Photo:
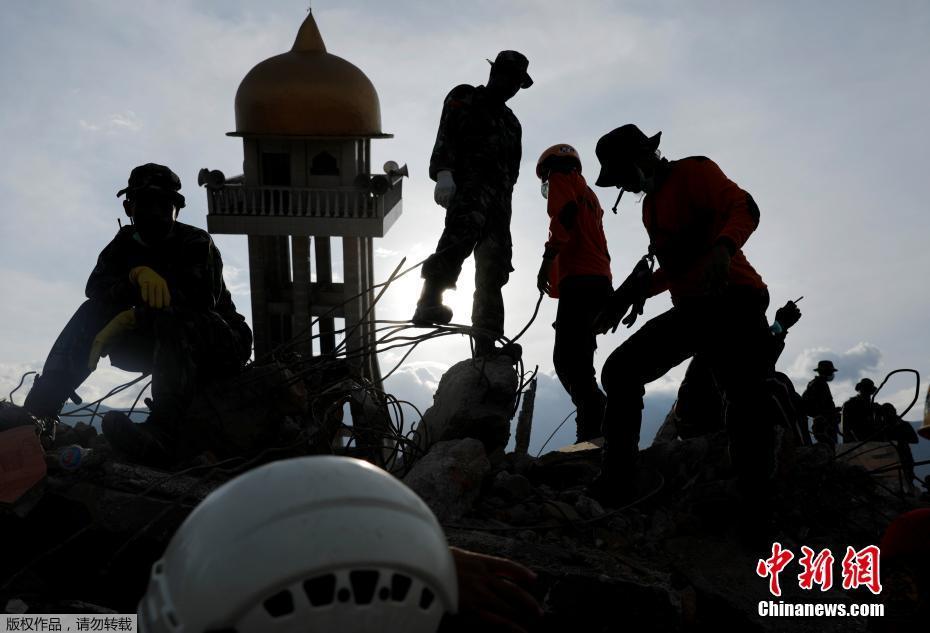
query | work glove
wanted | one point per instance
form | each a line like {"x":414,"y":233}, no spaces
{"x":636,"y":309}
{"x":717,"y":270}
{"x":617,"y":305}
{"x":788,"y":315}
{"x":118,"y":326}
{"x":445,"y":188}
{"x":153,"y":286}
{"x":542,"y":277}
{"x":632,"y":293}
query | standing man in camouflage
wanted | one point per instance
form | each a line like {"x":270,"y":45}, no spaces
{"x":156,"y":303}
{"x":475,"y":163}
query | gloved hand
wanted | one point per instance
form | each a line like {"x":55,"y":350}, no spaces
{"x":445,"y":188}
{"x":788,"y":315}
{"x":542,"y":277}
{"x":637,"y":309}
{"x":717,"y":271}
{"x":617,"y":306}
{"x":632,"y":293}
{"x":153,"y":286}
{"x":118,"y":326}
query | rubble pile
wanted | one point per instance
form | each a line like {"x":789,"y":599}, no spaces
{"x":673,"y":560}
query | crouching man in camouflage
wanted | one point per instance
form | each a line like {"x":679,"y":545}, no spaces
{"x":475,"y":163}
{"x":156,"y":303}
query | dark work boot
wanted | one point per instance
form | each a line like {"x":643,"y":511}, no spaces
{"x":430,"y":309}
{"x":48,"y":394}
{"x":150,"y":443}
{"x":590,"y":417}
{"x":485,"y":348}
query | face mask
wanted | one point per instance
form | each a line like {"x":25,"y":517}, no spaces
{"x":153,"y":219}
{"x":544,"y":189}
{"x":153,"y":231}
{"x":647,"y":185}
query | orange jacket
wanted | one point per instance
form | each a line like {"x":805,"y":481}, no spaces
{"x":696,"y":206}
{"x":576,"y":230}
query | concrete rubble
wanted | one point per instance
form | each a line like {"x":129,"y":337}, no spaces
{"x":475,"y":399}
{"x":449,"y":477}
{"x":671,"y":562}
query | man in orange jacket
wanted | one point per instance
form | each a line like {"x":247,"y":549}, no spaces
{"x":698,"y":221}
{"x":576,"y":270}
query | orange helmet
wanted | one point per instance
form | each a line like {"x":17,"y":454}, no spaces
{"x":559,"y":152}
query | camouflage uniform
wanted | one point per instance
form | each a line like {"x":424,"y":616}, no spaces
{"x":198,"y":338}
{"x":479,"y":141}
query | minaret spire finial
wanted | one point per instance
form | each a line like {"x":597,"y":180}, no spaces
{"x":308,"y":37}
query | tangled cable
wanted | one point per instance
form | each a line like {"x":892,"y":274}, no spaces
{"x":394,"y":436}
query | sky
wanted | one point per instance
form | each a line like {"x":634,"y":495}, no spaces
{"x":817,"y":109}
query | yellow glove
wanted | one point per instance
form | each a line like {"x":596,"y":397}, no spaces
{"x":153,"y":286}
{"x":114,"y":329}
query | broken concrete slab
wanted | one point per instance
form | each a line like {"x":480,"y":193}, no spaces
{"x":475,"y":399}
{"x":511,"y":487}
{"x":449,"y":477}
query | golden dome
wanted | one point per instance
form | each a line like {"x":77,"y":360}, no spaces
{"x":307,"y":92}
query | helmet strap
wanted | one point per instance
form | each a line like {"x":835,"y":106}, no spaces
{"x":620,"y":195}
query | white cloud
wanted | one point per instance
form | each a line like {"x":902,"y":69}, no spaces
{"x":126,"y":121}
{"x":860,"y":360}
{"x":98,"y":385}
{"x":236,"y":279}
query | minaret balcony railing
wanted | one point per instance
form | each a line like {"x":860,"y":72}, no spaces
{"x":268,"y":210}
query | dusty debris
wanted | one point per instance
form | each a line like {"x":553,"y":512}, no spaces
{"x":475,"y":399}
{"x":671,"y":562}
{"x":450,"y":476}
{"x":511,"y":487}
{"x":525,"y":420}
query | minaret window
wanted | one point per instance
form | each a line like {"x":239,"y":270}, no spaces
{"x":276,"y":169}
{"x":324,"y":164}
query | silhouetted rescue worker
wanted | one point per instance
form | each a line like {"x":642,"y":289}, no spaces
{"x":475,"y":163}
{"x":575,"y":269}
{"x":905,"y":574}
{"x":697,"y":220}
{"x":861,"y":422}
{"x":819,"y":405}
{"x":156,"y":302}
{"x":902,"y":434}
{"x":699,"y":407}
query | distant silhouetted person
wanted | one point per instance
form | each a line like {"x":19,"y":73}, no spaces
{"x":902,"y":434}
{"x":819,"y":405}
{"x":861,"y":421}
{"x":156,"y":303}
{"x":475,"y":163}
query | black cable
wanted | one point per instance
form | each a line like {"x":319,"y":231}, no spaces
{"x":551,"y":435}
{"x":21,"y":380}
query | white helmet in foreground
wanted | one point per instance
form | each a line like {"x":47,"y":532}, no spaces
{"x":329,"y":544}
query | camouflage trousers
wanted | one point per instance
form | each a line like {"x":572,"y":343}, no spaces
{"x":182,"y":349}
{"x":477,"y":220}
